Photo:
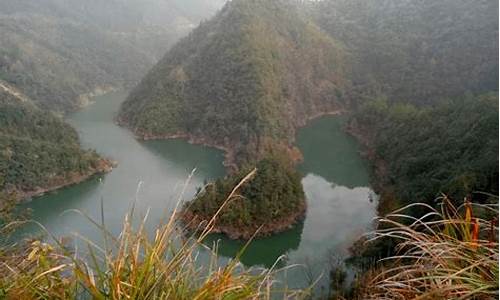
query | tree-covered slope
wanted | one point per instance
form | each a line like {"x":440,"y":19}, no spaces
{"x":65,"y":61}
{"x":243,"y":80}
{"x":56,"y":51}
{"x":417,"y":51}
{"x":449,"y":148}
{"x":38,"y":151}
{"x":269,"y":202}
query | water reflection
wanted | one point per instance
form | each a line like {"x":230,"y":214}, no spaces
{"x":260,"y":252}
{"x":341,"y":207}
{"x":335,"y":182}
{"x":186,"y":157}
{"x":336,"y":216}
{"x":336,"y":211}
{"x":331,"y":153}
{"x":160,"y":168}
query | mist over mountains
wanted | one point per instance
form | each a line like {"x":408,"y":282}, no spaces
{"x":413,"y":85}
{"x":56,"y":51}
{"x":250,"y":76}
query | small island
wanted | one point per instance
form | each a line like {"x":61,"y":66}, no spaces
{"x":272,"y":201}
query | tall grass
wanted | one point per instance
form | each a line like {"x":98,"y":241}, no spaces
{"x":446,"y":254}
{"x":134,"y":265}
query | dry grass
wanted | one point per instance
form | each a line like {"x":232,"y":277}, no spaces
{"x":133,"y":265}
{"x":446,"y":254}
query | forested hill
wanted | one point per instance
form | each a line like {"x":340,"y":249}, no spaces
{"x":420,"y":72}
{"x":450,"y":148}
{"x":417,"y":51}
{"x":38,"y":151}
{"x":244,"y":80}
{"x":55,"y":51}
{"x":247,"y":78}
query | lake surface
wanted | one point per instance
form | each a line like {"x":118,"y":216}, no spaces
{"x":152,"y":174}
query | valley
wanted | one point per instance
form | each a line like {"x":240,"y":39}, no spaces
{"x":152,"y":175}
{"x":249,"y":149}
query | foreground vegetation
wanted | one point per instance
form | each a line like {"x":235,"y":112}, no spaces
{"x":448,"y":253}
{"x":132,"y":265}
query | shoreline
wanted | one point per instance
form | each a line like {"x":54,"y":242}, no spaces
{"x":193,"y":222}
{"x":378,"y":169}
{"x":229,"y":153}
{"x":336,"y":112}
{"x":86,"y":99}
{"x":105,"y":166}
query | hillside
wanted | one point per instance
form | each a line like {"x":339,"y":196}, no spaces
{"x":416,"y":51}
{"x":243,"y":81}
{"x":450,"y":148}
{"x":57,"y":51}
{"x":39,"y":152}
{"x":269,"y":202}
{"x":416,"y":79}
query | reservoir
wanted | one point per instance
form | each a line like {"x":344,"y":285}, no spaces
{"x":153,"y":174}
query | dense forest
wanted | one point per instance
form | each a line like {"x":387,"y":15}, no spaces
{"x":416,"y":51}
{"x":38,"y":151}
{"x":243,"y":80}
{"x":425,"y":106}
{"x":273,"y":198}
{"x":447,"y":151}
{"x":416,"y":56}
{"x":54,"y":56}
{"x":417,"y":79}
{"x":56,"y":51}
{"x":246,"y":79}
{"x":448,"y":148}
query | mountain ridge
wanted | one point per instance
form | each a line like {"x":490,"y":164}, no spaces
{"x":244,"y":80}
{"x":56,"y":51}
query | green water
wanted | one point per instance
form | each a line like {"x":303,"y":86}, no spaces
{"x":152,"y":174}
{"x":341,"y":207}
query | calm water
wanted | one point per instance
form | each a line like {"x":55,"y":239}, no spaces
{"x":154,"y":173}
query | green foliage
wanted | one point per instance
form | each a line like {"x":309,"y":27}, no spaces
{"x":132,"y":265}
{"x":416,"y":51}
{"x":55,"y":51}
{"x":8,"y":215}
{"x":37,"y":149}
{"x":256,"y":70}
{"x":274,"y":194}
{"x":261,"y":68}
{"x":449,"y":148}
